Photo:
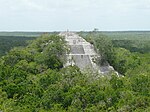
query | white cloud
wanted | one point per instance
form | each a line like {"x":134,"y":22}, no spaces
{"x":75,"y":5}
{"x":63,"y":13}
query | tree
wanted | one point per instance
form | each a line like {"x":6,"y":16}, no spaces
{"x":104,"y":47}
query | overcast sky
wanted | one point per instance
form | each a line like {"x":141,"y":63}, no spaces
{"x":52,"y":15}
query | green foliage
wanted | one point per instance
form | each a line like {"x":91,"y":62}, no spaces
{"x":133,"y":41}
{"x":104,"y":47}
{"x":141,"y":46}
{"x":16,"y":55}
{"x":102,"y":44}
{"x":32,"y":79}
{"x":8,"y":42}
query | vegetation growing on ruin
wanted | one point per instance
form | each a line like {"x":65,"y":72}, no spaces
{"x":33,"y":79}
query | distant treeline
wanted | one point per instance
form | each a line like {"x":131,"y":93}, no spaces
{"x":142,"y":46}
{"x":121,"y":35}
{"x":8,"y":42}
{"x":132,"y":40}
{"x":25,"y":34}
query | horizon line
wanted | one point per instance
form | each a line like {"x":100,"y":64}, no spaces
{"x":71,"y":30}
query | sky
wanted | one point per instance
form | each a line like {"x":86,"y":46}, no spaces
{"x":75,"y":15}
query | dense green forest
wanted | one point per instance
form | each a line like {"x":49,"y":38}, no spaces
{"x":132,"y":40}
{"x":8,"y":42}
{"x":25,"y":34}
{"x":120,"y":53}
{"x":33,"y":79}
{"x":121,"y":35}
